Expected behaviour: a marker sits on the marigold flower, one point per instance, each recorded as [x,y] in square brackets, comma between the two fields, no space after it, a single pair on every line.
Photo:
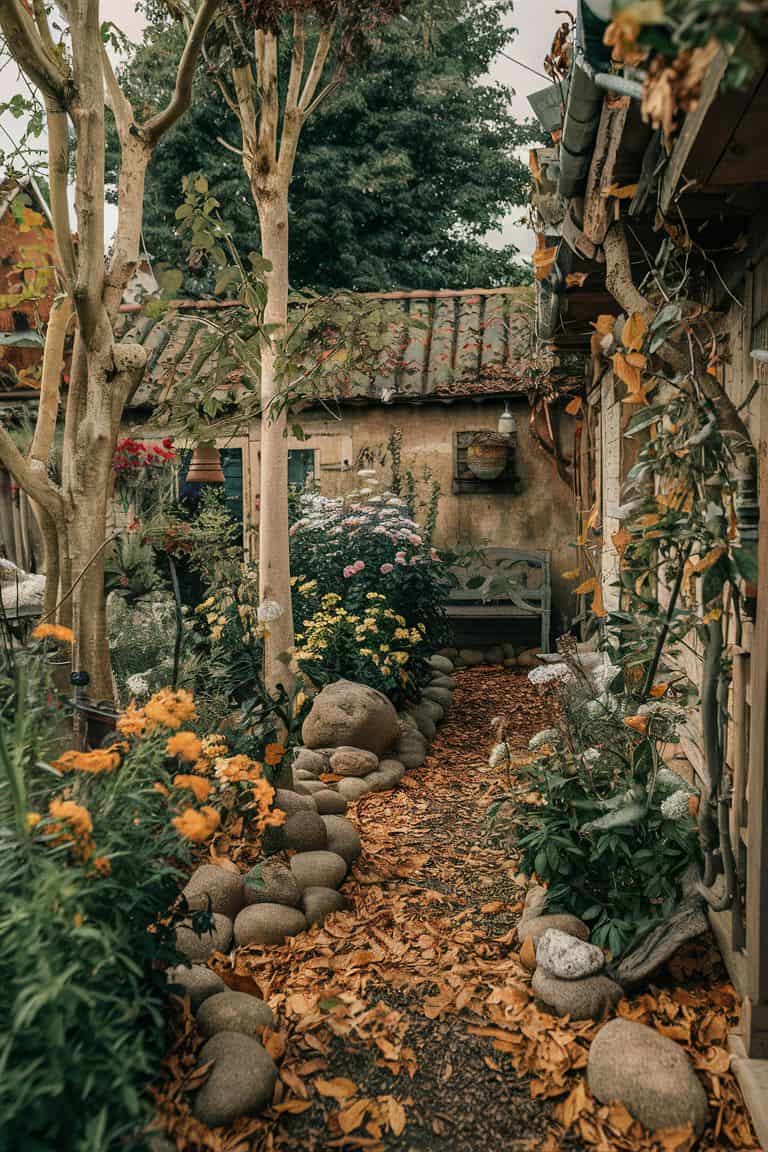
[185,746]
[133,721]
[197,826]
[99,760]
[238,768]
[196,784]
[78,817]
[273,754]
[54,632]
[169,709]
[102,865]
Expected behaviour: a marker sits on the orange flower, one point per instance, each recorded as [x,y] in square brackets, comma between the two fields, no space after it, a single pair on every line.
[273,754]
[263,792]
[214,746]
[185,746]
[169,709]
[100,760]
[133,722]
[637,724]
[78,817]
[196,784]
[102,865]
[54,632]
[33,819]
[158,787]
[237,768]
[659,690]
[197,826]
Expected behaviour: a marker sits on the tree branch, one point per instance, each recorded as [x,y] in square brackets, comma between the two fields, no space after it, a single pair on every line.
[29,50]
[34,482]
[182,94]
[298,50]
[242,78]
[53,360]
[322,49]
[58,171]
[267,84]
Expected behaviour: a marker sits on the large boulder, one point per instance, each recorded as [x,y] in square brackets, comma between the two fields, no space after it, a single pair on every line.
[271,882]
[305,832]
[344,713]
[196,981]
[234,1012]
[216,889]
[353,762]
[199,946]
[318,869]
[241,1081]
[567,957]
[649,1074]
[321,902]
[587,999]
[268,924]
[343,837]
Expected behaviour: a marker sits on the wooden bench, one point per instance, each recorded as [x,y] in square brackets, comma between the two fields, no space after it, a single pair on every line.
[506,585]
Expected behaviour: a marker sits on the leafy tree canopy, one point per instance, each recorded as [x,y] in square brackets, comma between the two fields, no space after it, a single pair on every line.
[400,174]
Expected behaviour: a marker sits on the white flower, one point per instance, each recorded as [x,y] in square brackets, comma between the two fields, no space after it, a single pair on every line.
[675,807]
[269,610]
[367,473]
[548,673]
[591,755]
[546,736]
[138,685]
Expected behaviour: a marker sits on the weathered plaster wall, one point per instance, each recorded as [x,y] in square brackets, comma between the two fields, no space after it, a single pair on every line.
[540,516]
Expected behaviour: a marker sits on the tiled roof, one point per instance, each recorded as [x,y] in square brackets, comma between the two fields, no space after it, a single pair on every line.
[447,344]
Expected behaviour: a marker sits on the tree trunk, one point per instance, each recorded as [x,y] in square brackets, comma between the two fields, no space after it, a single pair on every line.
[274,561]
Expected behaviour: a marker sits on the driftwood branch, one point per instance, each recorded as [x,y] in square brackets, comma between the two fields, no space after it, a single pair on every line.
[182,93]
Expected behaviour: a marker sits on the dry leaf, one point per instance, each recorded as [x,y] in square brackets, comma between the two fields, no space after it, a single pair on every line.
[586,587]
[339,1088]
[292,1107]
[395,1116]
[623,192]
[543,259]
[576,279]
[573,407]
[352,1117]
[633,332]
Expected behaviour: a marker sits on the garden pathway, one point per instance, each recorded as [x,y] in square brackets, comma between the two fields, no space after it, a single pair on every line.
[407,1023]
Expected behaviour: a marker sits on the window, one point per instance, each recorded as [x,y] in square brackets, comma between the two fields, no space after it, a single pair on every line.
[301,466]
[466,481]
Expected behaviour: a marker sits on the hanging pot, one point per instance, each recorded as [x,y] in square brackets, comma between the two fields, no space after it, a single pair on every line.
[205,465]
[487,455]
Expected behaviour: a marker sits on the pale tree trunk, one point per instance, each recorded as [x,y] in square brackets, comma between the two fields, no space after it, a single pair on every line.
[274,560]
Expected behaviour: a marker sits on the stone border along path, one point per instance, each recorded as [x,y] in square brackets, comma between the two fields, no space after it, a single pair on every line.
[405,1017]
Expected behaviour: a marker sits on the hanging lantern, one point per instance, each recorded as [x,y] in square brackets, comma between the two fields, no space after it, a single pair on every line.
[205,465]
[507,423]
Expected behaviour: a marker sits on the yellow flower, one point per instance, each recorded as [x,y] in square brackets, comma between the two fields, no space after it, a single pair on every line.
[197,826]
[214,745]
[78,919]
[99,760]
[383,647]
[185,746]
[198,785]
[400,657]
[54,632]
[33,819]
[78,817]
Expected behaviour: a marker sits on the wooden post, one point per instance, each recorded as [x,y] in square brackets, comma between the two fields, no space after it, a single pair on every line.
[754,1020]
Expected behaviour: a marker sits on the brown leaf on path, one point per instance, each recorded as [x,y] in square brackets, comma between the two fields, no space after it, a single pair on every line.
[352,1117]
[293,1107]
[339,1087]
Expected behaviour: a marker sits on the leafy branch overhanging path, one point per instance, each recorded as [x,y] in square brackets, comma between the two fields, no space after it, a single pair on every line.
[408,1022]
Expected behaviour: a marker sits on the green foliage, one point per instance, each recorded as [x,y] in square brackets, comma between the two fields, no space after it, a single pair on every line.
[416,134]
[80,974]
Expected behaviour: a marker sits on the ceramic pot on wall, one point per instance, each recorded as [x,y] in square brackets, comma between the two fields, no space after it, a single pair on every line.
[487,455]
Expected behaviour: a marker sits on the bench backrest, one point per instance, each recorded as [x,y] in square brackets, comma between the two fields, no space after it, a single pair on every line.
[505,575]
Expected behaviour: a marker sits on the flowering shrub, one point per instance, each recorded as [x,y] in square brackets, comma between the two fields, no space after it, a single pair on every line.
[373,647]
[95,848]
[599,817]
[351,557]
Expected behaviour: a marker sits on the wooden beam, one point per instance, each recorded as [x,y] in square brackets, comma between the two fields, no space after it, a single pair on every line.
[691,128]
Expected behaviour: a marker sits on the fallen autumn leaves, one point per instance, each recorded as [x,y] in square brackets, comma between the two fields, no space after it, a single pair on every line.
[408,1021]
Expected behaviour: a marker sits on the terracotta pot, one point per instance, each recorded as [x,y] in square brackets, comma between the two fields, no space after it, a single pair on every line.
[205,466]
[487,456]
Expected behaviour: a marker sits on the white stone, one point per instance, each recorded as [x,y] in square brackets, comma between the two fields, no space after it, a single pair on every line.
[566,957]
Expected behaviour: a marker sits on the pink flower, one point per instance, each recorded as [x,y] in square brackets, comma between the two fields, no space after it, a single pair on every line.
[400,558]
[414,539]
[386,569]
[358,565]
[349,571]
[434,555]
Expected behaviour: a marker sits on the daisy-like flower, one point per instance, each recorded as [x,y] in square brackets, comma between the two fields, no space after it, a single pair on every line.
[197,826]
[198,785]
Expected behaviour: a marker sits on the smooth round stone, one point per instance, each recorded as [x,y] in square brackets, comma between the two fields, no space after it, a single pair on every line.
[305,832]
[389,775]
[510,651]
[318,869]
[470,657]
[234,1012]
[529,658]
[352,788]
[321,902]
[301,774]
[440,695]
[567,957]
[435,711]
[197,948]
[424,722]
[441,663]
[587,999]
[309,787]
[345,714]
[308,761]
[197,981]
[214,888]
[343,837]
[494,655]
[330,803]
[272,883]
[268,924]
[536,926]
[353,762]
[289,802]
[410,755]
[510,662]
[241,1082]
[535,903]
[440,681]
[649,1074]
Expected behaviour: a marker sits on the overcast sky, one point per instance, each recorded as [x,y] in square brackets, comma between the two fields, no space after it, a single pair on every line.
[535,20]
